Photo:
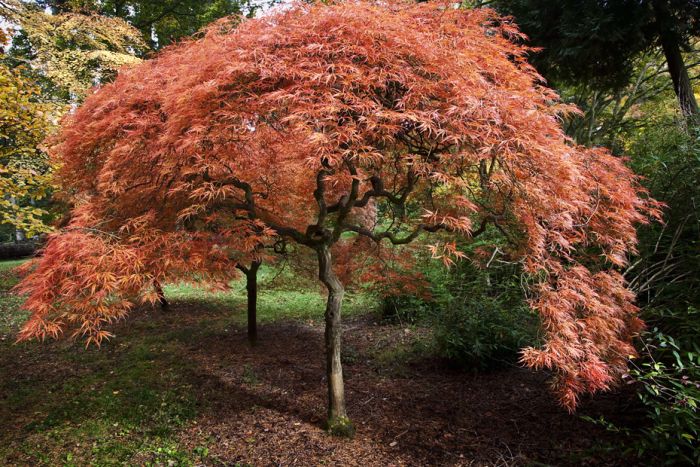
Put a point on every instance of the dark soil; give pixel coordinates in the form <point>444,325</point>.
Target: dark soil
<point>266,405</point>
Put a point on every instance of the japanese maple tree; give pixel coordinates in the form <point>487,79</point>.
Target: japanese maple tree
<point>390,122</point>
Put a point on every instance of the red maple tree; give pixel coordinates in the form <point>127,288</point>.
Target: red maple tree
<point>391,122</point>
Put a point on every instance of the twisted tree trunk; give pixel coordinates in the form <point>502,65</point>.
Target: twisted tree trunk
<point>338,421</point>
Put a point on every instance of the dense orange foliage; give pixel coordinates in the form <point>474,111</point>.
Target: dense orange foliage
<point>393,121</point>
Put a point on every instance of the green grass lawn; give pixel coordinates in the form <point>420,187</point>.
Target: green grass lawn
<point>62,404</point>
<point>11,316</point>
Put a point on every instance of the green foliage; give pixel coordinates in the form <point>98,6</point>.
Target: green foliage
<point>610,117</point>
<point>479,314</point>
<point>406,309</point>
<point>665,151</point>
<point>25,172</point>
<point>583,41</point>
<point>483,321</point>
<point>161,22</point>
<point>52,60</point>
<point>669,375</point>
<point>667,274</point>
<point>423,306</point>
<point>596,41</point>
<point>73,51</point>
<point>485,333</point>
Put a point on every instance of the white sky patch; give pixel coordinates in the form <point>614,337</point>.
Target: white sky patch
<point>266,7</point>
<point>154,35</point>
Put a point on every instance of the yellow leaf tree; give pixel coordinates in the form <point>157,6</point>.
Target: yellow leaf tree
<point>24,169</point>
<point>72,52</point>
<point>75,51</point>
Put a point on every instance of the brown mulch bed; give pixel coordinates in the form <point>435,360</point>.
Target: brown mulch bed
<point>265,406</point>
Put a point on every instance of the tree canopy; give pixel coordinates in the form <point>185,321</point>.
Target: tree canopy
<point>161,22</point>
<point>24,169</point>
<point>73,51</point>
<point>300,123</point>
<point>48,62</point>
<point>597,42</point>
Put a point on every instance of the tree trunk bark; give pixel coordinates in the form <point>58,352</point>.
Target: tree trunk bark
<point>674,59</point>
<point>681,81</point>
<point>338,421</point>
<point>251,286</point>
<point>19,236</point>
<point>161,295</point>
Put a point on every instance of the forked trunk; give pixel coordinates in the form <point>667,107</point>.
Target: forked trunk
<point>251,285</point>
<point>338,421</point>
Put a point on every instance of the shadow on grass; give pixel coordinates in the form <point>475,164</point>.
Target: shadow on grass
<point>62,403</point>
<point>183,387</point>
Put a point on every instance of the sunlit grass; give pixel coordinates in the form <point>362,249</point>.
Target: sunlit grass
<point>11,316</point>
<point>280,297</point>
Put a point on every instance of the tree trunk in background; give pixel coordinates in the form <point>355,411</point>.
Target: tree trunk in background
<point>681,81</point>
<point>338,421</point>
<point>161,295</point>
<point>251,286</point>
<point>674,59</point>
<point>18,236</point>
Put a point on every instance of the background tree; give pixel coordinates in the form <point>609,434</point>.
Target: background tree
<point>612,117</point>
<point>598,41</point>
<point>24,168</point>
<point>73,51</point>
<point>161,22</point>
<point>293,124</point>
<point>48,62</point>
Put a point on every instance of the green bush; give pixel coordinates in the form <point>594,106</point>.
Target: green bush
<point>483,334</point>
<point>668,373</point>
<point>479,316</point>
<point>667,272</point>
<point>406,309</point>
<point>667,278</point>
<point>483,321</point>
<point>411,309</point>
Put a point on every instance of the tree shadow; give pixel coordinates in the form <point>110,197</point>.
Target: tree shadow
<point>190,373</point>
<point>427,414</point>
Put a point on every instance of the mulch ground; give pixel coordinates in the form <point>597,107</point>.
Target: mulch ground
<point>265,405</point>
